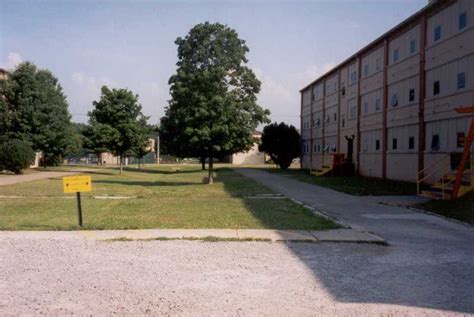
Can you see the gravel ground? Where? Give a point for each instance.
(63, 273)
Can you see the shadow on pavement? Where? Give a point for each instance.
(427, 265)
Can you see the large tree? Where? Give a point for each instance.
(213, 109)
(281, 142)
(120, 115)
(33, 108)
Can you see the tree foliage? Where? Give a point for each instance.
(34, 109)
(213, 109)
(16, 155)
(117, 118)
(281, 142)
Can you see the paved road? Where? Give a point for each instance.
(430, 260)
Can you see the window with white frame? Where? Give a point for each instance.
(378, 104)
(412, 46)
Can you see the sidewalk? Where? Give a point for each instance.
(337, 235)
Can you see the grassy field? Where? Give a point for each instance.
(461, 209)
(360, 186)
(162, 197)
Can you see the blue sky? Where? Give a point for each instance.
(87, 44)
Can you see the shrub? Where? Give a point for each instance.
(281, 142)
(16, 155)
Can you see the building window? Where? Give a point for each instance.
(395, 55)
(460, 139)
(437, 33)
(394, 100)
(319, 148)
(411, 143)
(412, 46)
(335, 116)
(411, 97)
(394, 144)
(377, 145)
(343, 121)
(343, 91)
(366, 145)
(366, 107)
(377, 104)
(435, 142)
(314, 148)
(378, 63)
(436, 88)
(353, 77)
(366, 70)
(462, 80)
(462, 20)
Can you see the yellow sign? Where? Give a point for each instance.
(74, 184)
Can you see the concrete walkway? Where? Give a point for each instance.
(16, 179)
(337, 235)
(397, 225)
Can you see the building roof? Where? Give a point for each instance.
(430, 7)
(3, 71)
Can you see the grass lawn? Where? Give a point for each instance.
(355, 185)
(167, 196)
(461, 209)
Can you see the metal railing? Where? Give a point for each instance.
(430, 170)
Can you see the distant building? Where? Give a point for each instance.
(396, 98)
(252, 156)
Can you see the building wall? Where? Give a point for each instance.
(380, 102)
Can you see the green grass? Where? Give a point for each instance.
(171, 196)
(355, 185)
(461, 209)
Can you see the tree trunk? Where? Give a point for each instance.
(44, 161)
(99, 159)
(210, 179)
(120, 159)
(203, 163)
(139, 161)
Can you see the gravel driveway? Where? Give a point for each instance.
(62, 272)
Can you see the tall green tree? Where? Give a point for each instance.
(281, 142)
(34, 109)
(121, 114)
(213, 109)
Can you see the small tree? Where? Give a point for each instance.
(119, 110)
(97, 137)
(281, 142)
(143, 145)
(16, 155)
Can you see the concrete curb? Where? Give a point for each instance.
(336, 235)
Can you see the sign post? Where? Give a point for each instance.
(77, 184)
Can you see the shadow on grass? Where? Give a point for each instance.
(146, 183)
(157, 171)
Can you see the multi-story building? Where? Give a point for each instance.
(397, 96)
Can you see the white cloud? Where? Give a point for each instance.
(281, 95)
(13, 59)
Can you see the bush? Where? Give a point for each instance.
(281, 142)
(16, 155)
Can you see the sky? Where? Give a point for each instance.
(130, 44)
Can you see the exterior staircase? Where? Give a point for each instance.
(444, 188)
(453, 183)
(324, 170)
